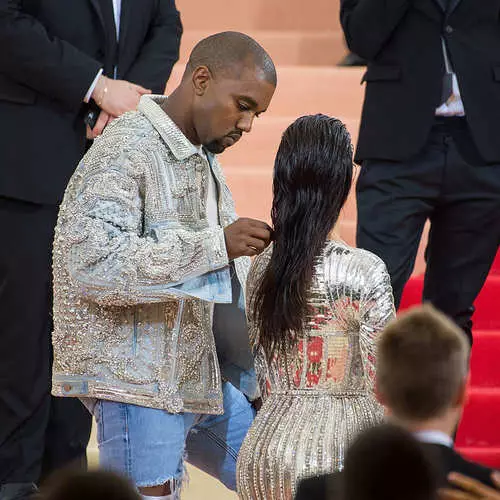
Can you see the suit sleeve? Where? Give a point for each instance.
(368, 24)
(160, 51)
(36, 59)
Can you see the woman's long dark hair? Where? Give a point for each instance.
(312, 178)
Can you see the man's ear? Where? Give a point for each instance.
(201, 79)
(462, 396)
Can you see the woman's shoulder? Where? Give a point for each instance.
(340, 250)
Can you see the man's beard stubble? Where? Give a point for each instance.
(215, 146)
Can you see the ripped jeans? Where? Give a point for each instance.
(149, 445)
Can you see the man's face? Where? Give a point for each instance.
(226, 105)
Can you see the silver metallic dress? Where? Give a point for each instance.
(319, 395)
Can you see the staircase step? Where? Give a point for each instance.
(244, 15)
(308, 48)
(486, 302)
(484, 359)
(479, 426)
(490, 457)
(259, 147)
(495, 268)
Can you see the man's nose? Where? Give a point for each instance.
(246, 121)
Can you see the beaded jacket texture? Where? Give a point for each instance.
(132, 249)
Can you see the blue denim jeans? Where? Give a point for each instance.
(149, 445)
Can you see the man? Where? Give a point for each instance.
(428, 144)
(422, 368)
(55, 58)
(148, 277)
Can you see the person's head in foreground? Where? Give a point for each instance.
(88, 485)
(422, 368)
(387, 463)
(229, 81)
(312, 178)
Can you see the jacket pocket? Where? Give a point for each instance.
(496, 73)
(15, 92)
(381, 74)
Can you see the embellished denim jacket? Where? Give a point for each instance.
(143, 290)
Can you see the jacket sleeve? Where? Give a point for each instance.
(36, 59)
(160, 51)
(100, 230)
(368, 24)
(376, 310)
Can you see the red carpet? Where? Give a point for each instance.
(479, 432)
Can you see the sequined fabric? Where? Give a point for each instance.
(133, 225)
(321, 393)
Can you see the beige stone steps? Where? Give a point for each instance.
(241, 15)
(286, 47)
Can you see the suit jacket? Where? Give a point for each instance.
(445, 460)
(52, 51)
(449, 460)
(401, 39)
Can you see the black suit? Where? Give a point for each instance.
(416, 167)
(51, 53)
(448, 460)
(401, 41)
(445, 460)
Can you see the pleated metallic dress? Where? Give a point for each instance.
(320, 394)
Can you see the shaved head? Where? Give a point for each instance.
(229, 82)
(229, 53)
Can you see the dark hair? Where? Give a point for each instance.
(85, 485)
(388, 463)
(226, 51)
(312, 178)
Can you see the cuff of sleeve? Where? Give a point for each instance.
(216, 250)
(88, 95)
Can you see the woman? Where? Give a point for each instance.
(315, 307)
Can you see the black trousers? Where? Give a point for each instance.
(448, 184)
(38, 433)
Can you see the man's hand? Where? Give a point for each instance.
(470, 489)
(116, 97)
(103, 119)
(246, 237)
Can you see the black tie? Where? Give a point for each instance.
(111, 44)
(448, 77)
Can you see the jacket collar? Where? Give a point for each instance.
(181, 147)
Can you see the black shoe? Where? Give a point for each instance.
(352, 60)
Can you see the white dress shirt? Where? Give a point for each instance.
(212, 197)
(434, 437)
(454, 106)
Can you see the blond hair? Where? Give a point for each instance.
(422, 362)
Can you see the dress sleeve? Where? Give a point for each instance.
(376, 310)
